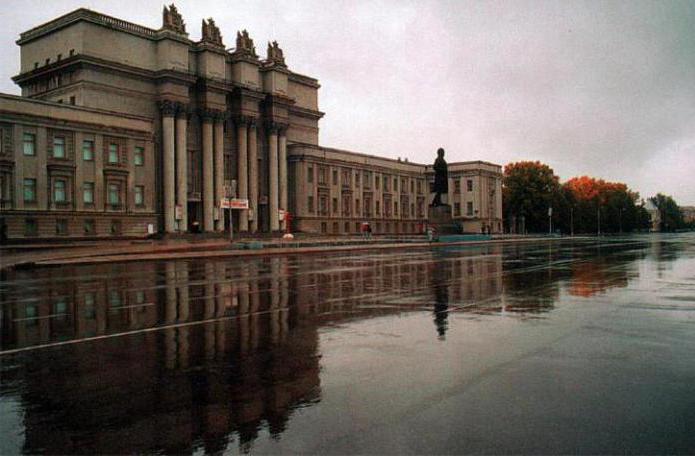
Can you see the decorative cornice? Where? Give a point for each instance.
(87, 15)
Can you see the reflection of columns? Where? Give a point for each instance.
(182, 279)
(243, 312)
(253, 175)
(219, 169)
(182, 167)
(208, 184)
(209, 311)
(273, 177)
(168, 164)
(242, 170)
(282, 178)
(274, 299)
(170, 292)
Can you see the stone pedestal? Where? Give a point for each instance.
(440, 218)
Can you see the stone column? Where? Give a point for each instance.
(182, 166)
(242, 170)
(253, 175)
(273, 177)
(208, 184)
(168, 165)
(219, 169)
(282, 162)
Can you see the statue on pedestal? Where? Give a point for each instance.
(441, 178)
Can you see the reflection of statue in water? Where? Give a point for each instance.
(439, 280)
(441, 178)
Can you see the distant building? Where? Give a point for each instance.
(123, 130)
(688, 214)
(654, 216)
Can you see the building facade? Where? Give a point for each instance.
(123, 130)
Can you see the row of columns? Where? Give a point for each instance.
(247, 171)
(175, 167)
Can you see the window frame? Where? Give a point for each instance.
(139, 156)
(58, 144)
(88, 149)
(26, 142)
(33, 187)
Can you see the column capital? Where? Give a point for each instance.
(276, 127)
(182, 110)
(211, 115)
(168, 108)
(244, 121)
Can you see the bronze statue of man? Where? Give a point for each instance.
(441, 178)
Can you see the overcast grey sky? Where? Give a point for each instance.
(603, 88)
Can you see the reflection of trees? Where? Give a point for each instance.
(531, 276)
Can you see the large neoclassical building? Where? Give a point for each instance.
(123, 130)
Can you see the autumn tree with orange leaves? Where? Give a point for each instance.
(580, 205)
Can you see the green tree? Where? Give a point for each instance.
(529, 189)
(671, 215)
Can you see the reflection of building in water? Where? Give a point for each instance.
(235, 348)
(188, 386)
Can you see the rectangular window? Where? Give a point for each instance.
(87, 150)
(357, 207)
(114, 194)
(72, 100)
(457, 186)
(88, 192)
(412, 186)
(395, 207)
(310, 204)
(469, 208)
(469, 185)
(376, 182)
(89, 227)
(457, 209)
(59, 191)
(115, 227)
(395, 184)
(114, 299)
(89, 311)
(29, 190)
(335, 177)
(31, 227)
(335, 205)
(310, 174)
(61, 227)
(113, 153)
(357, 178)
(59, 147)
(377, 206)
(29, 144)
(139, 157)
(139, 195)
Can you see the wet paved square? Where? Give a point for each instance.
(564, 347)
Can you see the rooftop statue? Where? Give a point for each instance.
(275, 54)
(211, 33)
(172, 20)
(244, 44)
(441, 178)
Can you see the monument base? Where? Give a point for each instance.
(440, 218)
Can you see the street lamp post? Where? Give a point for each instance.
(598, 219)
(572, 221)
